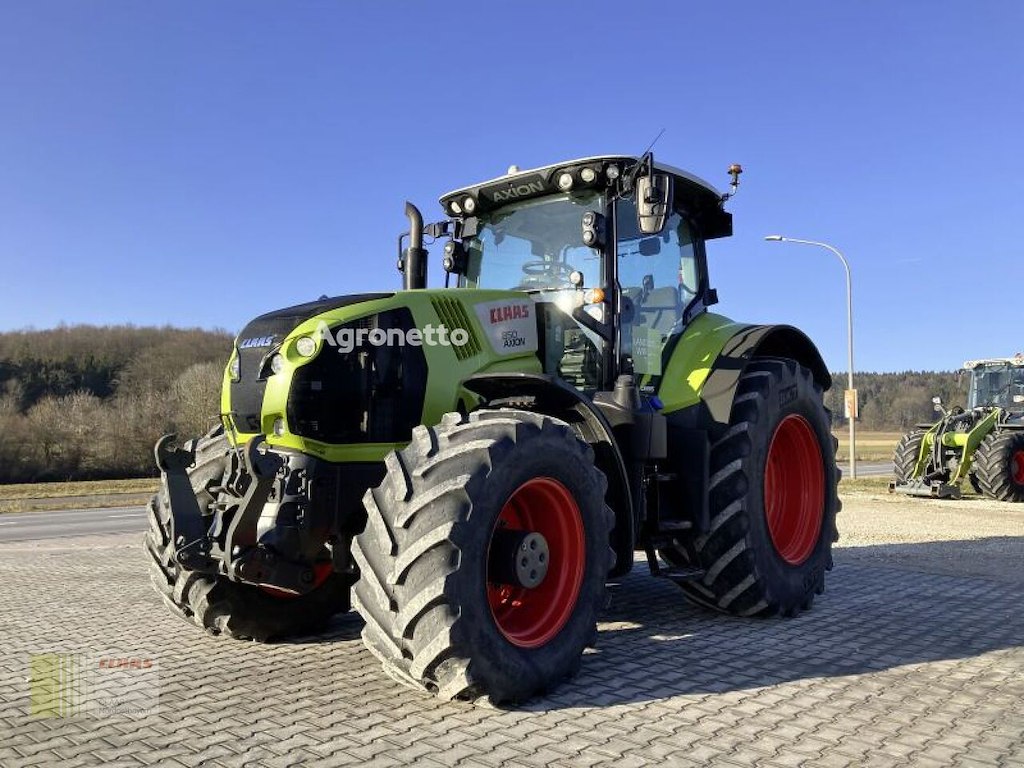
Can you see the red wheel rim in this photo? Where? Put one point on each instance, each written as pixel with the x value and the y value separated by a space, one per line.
pixel 529 618
pixel 794 489
pixel 320 573
pixel 1017 467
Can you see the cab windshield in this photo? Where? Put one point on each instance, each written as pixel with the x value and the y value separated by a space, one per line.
pixel 534 245
pixel 1001 385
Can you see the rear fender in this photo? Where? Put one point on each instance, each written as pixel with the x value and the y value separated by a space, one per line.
pixel 699 385
pixel 707 363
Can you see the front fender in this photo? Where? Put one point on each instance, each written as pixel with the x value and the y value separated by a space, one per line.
pixel 550 395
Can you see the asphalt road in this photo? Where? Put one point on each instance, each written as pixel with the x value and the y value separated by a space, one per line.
pixel 868 468
pixel 26 526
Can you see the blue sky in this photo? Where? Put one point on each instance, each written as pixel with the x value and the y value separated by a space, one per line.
pixel 198 163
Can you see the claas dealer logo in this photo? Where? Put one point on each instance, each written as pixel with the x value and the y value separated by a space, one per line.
pixel 125 663
pixel 509 312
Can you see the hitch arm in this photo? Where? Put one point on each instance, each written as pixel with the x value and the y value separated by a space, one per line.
pixel 262 468
pixel 189 540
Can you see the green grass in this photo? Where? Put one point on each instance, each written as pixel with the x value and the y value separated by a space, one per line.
pixel 78 488
pixel 87 494
pixel 871 446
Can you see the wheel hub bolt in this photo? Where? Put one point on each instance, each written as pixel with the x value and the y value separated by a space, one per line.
pixel 532 560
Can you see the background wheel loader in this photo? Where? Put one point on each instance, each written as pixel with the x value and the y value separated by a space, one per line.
pixel 983 444
pixel 473 463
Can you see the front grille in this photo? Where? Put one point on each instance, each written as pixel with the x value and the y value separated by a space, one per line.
pixel 453 316
pixel 259 339
pixel 371 394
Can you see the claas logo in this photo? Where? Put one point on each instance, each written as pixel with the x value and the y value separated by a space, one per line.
pixel 509 312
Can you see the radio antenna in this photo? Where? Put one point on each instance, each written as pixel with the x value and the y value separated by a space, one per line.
pixel 651 145
pixel 646 159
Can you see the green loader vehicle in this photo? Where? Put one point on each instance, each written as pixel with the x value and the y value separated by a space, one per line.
pixel 472 464
pixel 983 444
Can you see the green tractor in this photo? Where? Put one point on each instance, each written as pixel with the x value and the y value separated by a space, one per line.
pixel 983 444
pixel 472 464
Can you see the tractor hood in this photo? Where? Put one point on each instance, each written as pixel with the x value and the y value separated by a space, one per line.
pixel 260 339
pixel 274 326
pixel 363 370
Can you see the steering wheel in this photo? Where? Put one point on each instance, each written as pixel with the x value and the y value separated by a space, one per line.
pixel 539 267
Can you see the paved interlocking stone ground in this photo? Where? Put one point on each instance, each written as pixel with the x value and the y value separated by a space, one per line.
pixel 896 665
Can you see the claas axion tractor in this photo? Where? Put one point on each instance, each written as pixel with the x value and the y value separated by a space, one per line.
pixel 983 444
pixel 472 464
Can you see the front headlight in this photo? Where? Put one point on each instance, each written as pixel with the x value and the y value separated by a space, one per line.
pixel 277 363
pixel 235 368
pixel 305 346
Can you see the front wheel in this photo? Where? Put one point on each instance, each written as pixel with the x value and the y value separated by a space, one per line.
pixel 773 499
pixel 905 456
pixel 999 466
pixel 484 558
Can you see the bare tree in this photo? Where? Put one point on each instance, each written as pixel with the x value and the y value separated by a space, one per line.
pixel 196 394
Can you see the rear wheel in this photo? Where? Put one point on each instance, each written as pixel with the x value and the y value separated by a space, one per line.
pixel 773 498
pixel 999 465
pixel 217 604
pixel 904 457
pixel 484 558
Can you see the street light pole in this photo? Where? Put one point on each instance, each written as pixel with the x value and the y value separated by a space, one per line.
pixel 849 337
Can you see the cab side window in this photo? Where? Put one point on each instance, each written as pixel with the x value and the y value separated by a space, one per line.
pixel 658 277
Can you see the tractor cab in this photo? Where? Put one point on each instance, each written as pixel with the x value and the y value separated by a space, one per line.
pixel 997 383
pixel 611 250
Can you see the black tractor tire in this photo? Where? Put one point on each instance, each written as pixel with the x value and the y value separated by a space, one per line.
pixel 999 465
pixel 753 565
pixel 905 455
pixel 215 603
pixel 426 589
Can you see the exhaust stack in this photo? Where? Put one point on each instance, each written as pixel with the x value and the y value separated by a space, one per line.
pixel 414 260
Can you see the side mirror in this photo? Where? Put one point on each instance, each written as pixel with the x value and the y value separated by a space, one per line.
pixel 653 202
pixel 937 405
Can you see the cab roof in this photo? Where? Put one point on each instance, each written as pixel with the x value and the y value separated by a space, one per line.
pixel 694 195
pixel 1016 360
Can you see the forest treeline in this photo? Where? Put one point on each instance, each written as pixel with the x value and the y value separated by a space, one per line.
pixel 85 402
pixel 893 402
